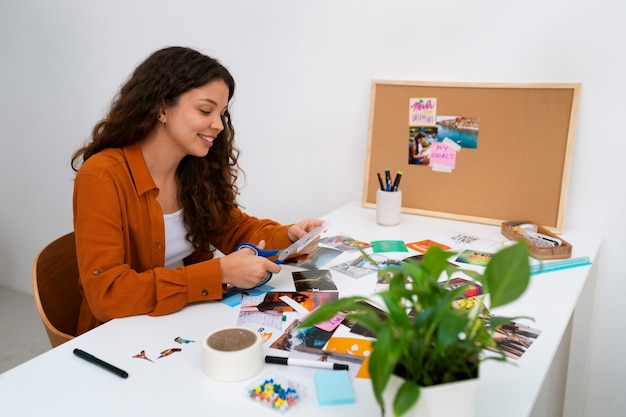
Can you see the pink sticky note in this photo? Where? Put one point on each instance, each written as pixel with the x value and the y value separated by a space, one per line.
pixel 442 156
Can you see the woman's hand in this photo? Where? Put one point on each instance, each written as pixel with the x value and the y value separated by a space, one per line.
pixel 296 231
pixel 245 269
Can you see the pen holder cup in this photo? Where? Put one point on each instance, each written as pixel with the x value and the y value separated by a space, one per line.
pixel 232 354
pixel 388 207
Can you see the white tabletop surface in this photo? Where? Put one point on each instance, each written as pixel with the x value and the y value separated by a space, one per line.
pixel 58 383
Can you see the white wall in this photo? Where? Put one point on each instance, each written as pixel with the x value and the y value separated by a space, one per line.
pixel 304 71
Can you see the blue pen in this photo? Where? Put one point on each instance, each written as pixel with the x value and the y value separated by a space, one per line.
pixel 560 264
pixel 388 179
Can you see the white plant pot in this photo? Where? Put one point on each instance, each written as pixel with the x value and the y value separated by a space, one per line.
pixel 452 399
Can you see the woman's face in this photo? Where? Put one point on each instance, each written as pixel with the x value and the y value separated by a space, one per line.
pixel 196 120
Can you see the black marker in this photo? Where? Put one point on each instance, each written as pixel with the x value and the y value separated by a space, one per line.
pixel 90 358
pixel 388 179
pixel 380 181
pixel 396 182
pixel 303 362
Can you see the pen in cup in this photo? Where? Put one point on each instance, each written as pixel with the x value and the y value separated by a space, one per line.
pixel 105 365
pixel 388 179
pixel 396 181
pixel 380 181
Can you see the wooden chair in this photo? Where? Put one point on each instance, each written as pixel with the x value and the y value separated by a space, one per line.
pixel 56 289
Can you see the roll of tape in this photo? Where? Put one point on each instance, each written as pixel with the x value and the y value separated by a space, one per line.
pixel 232 354
pixel 528 227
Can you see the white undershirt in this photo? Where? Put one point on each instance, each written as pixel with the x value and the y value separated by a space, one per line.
pixel 177 247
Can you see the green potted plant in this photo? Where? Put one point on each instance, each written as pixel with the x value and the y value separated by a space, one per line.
pixel 422 337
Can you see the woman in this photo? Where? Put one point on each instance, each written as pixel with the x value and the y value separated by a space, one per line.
pixel 155 195
pixel 419 150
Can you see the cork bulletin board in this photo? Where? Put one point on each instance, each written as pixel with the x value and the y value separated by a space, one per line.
pixel 494 152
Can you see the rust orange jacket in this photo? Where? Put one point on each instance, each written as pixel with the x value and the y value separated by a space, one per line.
pixel 120 243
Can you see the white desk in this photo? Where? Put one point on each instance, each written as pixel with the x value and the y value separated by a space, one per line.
pixel 58 383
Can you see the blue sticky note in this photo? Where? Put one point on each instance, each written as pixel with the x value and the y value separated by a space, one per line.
pixel 334 387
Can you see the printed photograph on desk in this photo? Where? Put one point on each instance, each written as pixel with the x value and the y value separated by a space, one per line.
pixel 515 338
pixel 360 266
pixel 381 246
pixel 423 245
pixel 352 349
pixel 344 243
pixel 386 275
pixel 319 257
pixel 469 297
pixel 249 314
pixel 359 329
pixel 459 240
pixel 473 289
pixel 233 296
pixel 312 337
pixel 299 301
pixel 415 258
pixel 475 258
pixel 354 362
pixel 314 280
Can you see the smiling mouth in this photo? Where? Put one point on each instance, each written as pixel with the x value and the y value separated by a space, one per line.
pixel 207 139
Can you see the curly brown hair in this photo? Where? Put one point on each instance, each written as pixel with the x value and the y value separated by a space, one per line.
pixel 208 188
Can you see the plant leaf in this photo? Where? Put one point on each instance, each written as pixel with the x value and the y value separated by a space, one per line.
pixel 383 361
pixel 382 364
pixel 497 321
pixel 406 397
pixel 367 318
pixel 397 312
pixel 451 324
pixel 507 275
pixel 435 260
pixel 329 310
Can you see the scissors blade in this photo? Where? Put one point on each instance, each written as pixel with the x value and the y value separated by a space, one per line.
pixel 301 243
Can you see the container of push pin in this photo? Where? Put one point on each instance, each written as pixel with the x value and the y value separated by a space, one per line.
pixel 276 392
pixel 232 354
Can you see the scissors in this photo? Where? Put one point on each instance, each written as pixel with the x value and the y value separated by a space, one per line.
pixel 283 254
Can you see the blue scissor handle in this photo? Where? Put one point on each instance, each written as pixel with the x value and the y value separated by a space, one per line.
pixel 260 252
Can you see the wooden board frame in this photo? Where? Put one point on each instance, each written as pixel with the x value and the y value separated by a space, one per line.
pixel 520 167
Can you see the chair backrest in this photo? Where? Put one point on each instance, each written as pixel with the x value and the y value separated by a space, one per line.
pixel 56 289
